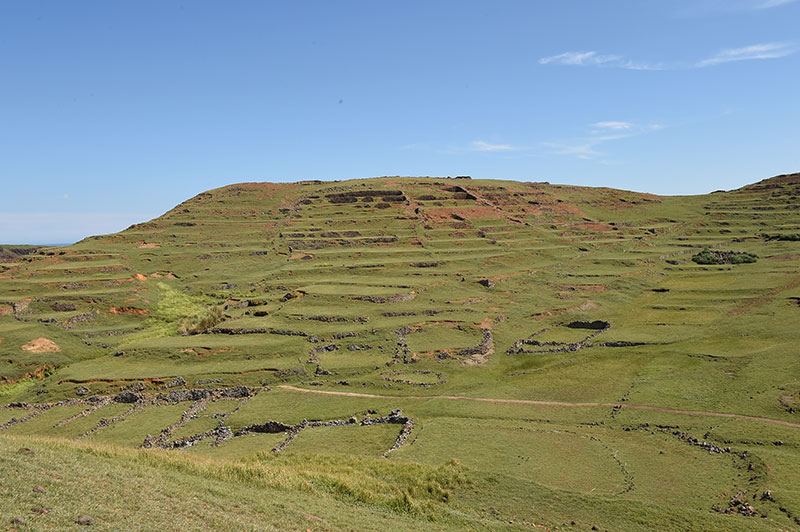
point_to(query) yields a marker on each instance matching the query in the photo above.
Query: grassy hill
(562, 358)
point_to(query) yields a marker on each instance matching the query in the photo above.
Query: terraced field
(413, 353)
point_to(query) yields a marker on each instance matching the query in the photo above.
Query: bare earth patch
(487, 323)
(41, 345)
(446, 213)
(149, 245)
(129, 310)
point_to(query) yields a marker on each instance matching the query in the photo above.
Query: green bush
(708, 256)
(785, 237)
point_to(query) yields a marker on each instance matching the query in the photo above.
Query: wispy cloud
(581, 150)
(596, 59)
(480, 145)
(588, 147)
(767, 4)
(773, 50)
(706, 7)
(614, 126)
(746, 53)
(580, 59)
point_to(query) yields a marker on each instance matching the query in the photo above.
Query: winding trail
(549, 403)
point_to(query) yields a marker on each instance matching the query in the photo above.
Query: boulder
(126, 397)
(84, 520)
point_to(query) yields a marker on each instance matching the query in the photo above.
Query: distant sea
(38, 245)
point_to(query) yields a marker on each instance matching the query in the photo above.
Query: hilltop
(448, 353)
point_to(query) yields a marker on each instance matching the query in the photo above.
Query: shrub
(785, 237)
(708, 256)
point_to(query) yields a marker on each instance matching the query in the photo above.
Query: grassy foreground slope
(558, 358)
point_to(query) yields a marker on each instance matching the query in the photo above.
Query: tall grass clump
(185, 314)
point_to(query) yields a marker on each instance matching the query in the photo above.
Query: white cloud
(584, 147)
(616, 126)
(756, 51)
(584, 150)
(580, 59)
(588, 147)
(706, 7)
(480, 145)
(595, 59)
(773, 3)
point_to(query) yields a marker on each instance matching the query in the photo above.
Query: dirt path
(550, 403)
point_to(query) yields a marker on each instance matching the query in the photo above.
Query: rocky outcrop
(399, 298)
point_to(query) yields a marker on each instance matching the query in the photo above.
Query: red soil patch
(38, 373)
(41, 345)
(5, 311)
(594, 227)
(129, 310)
(487, 323)
(532, 209)
(446, 213)
(137, 277)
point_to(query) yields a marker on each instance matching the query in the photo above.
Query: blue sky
(113, 112)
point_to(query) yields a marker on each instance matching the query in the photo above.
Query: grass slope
(621, 384)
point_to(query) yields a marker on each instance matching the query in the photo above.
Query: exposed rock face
(127, 397)
(270, 427)
(594, 325)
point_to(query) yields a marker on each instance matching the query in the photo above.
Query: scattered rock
(176, 382)
(84, 520)
(18, 521)
(488, 283)
(26, 450)
(80, 391)
(39, 489)
(126, 397)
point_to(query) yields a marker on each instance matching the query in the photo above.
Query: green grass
(252, 258)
